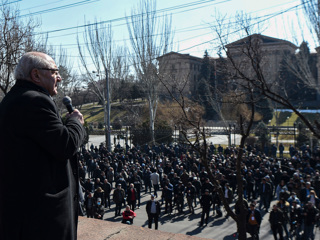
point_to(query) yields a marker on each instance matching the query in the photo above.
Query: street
(186, 223)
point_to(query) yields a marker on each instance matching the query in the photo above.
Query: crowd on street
(178, 182)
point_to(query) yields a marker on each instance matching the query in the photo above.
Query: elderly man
(153, 211)
(38, 147)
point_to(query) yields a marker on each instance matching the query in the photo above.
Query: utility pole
(105, 97)
(108, 128)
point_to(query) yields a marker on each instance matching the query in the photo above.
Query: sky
(191, 20)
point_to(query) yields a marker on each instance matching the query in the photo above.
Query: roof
(187, 56)
(265, 40)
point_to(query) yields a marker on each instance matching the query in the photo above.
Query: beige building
(181, 72)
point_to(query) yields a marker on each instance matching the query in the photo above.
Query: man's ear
(35, 75)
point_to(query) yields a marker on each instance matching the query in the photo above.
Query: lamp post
(175, 134)
(234, 134)
(229, 135)
(106, 109)
(294, 134)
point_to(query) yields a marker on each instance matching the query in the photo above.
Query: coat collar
(31, 85)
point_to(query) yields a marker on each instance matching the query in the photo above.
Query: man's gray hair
(28, 62)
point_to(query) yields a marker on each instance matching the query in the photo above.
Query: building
(279, 62)
(179, 72)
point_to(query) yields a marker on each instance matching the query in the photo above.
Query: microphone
(68, 103)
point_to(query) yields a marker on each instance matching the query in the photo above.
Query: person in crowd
(197, 184)
(284, 206)
(253, 221)
(205, 202)
(136, 180)
(118, 199)
(276, 220)
(296, 219)
(313, 198)
(281, 189)
(147, 180)
(305, 192)
(310, 214)
(99, 193)
(90, 204)
(179, 196)
(107, 191)
(153, 211)
(132, 196)
(88, 187)
(155, 179)
(39, 147)
(99, 209)
(190, 193)
(128, 215)
(167, 193)
(264, 192)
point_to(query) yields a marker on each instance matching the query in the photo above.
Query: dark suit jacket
(37, 149)
(148, 207)
(267, 190)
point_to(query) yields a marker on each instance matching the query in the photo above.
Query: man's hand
(76, 115)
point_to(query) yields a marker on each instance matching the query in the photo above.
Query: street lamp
(229, 135)
(294, 134)
(234, 134)
(106, 109)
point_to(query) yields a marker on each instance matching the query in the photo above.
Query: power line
(128, 17)
(264, 18)
(7, 3)
(60, 7)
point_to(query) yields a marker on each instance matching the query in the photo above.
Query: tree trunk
(241, 225)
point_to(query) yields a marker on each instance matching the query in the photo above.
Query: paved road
(218, 228)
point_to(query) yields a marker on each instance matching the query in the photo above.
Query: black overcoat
(38, 168)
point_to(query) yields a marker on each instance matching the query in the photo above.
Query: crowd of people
(177, 177)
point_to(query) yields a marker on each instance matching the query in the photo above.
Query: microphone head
(66, 101)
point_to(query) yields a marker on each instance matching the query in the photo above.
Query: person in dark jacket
(295, 219)
(253, 221)
(206, 202)
(119, 199)
(132, 196)
(276, 220)
(153, 211)
(47, 147)
(167, 193)
(90, 205)
(107, 190)
(310, 214)
(190, 192)
(264, 192)
(99, 209)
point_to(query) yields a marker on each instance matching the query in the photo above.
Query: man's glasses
(54, 71)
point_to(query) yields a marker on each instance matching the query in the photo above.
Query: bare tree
(98, 44)
(150, 37)
(70, 80)
(120, 73)
(190, 122)
(16, 38)
(250, 63)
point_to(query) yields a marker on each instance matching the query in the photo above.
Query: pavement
(185, 223)
(188, 224)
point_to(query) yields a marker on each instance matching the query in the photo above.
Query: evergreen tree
(206, 86)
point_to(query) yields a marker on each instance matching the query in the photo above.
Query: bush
(100, 125)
